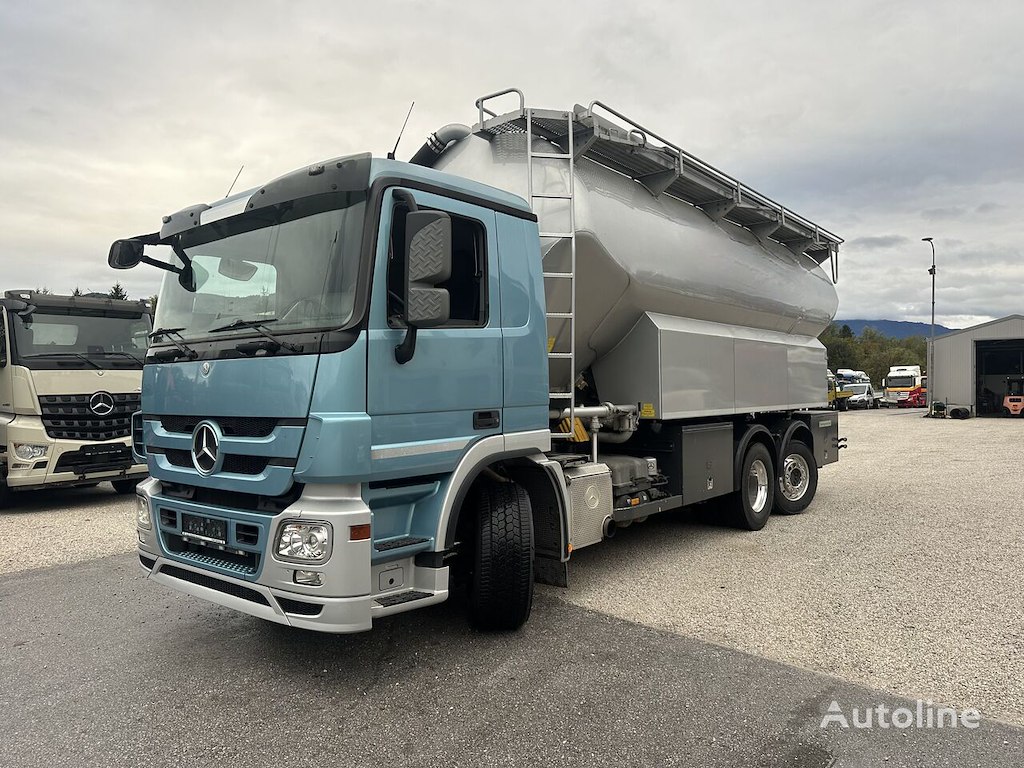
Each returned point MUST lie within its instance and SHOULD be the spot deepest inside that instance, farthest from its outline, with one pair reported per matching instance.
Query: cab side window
(467, 285)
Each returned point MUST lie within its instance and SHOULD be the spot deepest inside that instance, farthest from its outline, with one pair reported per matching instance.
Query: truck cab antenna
(391, 154)
(235, 181)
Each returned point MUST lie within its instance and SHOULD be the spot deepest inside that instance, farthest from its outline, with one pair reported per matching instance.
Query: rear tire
(124, 487)
(752, 503)
(798, 479)
(501, 590)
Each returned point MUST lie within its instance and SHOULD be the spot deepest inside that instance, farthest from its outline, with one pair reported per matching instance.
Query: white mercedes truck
(70, 380)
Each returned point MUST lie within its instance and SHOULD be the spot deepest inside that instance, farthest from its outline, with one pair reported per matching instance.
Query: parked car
(863, 395)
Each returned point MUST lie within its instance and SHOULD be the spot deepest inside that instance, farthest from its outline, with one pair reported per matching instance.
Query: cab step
(404, 541)
(387, 601)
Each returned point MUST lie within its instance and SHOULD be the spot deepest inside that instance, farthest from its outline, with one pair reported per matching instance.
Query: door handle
(486, 419)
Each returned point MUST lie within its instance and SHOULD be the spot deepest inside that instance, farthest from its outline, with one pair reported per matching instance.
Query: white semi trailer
(541, 328)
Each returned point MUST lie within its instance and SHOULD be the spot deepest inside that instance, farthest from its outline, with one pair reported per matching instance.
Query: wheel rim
(796, 477)
(757, 486)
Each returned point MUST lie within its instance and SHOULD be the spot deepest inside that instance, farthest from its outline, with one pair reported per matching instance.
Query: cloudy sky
(883, 122)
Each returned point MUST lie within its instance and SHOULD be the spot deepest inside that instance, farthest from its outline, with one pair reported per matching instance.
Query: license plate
(104, 449)
(204, 528)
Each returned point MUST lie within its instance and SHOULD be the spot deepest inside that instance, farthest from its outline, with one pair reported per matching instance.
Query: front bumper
(354, 590)
(67, 462)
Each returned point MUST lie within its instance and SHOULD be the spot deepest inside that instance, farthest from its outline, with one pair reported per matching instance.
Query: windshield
(300, 273)
(900, 381)
(57, 339)
(857, 389)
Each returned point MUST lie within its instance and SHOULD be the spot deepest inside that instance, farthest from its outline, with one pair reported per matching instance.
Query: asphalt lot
(677, 642)
(903, 575)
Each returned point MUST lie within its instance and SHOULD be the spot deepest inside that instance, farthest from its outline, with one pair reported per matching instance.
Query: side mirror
(125, 254)
(428, 262)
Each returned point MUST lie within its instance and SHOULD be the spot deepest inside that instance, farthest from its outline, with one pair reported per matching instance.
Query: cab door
(429, 410)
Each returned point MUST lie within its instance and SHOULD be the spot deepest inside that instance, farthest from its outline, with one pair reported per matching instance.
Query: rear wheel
(124, 487)
(752, 502)
(798, 479)
(501, 590)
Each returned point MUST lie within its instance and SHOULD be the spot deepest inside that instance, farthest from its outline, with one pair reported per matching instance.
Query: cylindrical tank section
(639, 253)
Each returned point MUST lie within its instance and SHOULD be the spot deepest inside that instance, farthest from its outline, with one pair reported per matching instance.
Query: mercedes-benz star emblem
(205, 448)
(101, 403)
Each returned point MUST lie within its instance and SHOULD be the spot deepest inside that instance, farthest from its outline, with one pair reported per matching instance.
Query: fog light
(310, 542)
(30, 451)
(309, 578)
(142, 516)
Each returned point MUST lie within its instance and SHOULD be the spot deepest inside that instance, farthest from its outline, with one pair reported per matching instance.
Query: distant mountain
(897, 329)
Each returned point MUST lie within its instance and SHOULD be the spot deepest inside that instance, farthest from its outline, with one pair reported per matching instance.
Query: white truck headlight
(143, 519)
(30, 451)
(304, 542)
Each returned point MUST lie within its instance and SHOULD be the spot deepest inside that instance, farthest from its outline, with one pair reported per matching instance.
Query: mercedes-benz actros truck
(70, 380)
(373, 380)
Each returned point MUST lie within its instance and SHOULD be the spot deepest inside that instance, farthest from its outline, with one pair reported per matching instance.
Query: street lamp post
(931, 346)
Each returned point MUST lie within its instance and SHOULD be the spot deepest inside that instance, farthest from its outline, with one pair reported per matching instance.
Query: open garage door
(994, 361)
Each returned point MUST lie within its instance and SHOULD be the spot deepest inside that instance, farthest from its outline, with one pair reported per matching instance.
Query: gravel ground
(65, 526)
(903, 575)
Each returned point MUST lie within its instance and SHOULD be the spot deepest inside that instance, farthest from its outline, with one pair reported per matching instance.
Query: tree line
(871, 352)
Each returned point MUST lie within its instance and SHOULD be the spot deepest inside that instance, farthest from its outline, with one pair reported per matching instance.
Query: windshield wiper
(121, 354)
(180, 347)
(258, 325)
(79, 355)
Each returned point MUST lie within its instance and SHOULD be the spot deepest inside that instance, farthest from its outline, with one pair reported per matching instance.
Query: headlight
(29, 451)
(142, 516)
(305, 542)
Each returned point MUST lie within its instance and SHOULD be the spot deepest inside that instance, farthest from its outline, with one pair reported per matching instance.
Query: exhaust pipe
(438, 142)
(608, 529)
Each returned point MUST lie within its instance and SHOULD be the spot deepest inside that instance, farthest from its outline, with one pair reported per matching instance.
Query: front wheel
(752, 502)
(798, 479)
(501, 591)
(124, 487)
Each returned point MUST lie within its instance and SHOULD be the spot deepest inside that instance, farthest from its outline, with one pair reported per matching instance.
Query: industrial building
(971, 365)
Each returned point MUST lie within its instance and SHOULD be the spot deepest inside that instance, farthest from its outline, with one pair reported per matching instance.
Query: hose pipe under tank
(438, 142)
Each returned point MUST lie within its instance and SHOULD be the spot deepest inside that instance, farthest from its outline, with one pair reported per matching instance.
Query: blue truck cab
(310, 439)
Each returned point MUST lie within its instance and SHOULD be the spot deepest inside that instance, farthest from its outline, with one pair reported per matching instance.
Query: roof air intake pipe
(438, 142)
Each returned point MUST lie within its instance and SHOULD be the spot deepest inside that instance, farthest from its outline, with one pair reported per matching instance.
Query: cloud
(941, 214)
(881, 122)
(879, 242)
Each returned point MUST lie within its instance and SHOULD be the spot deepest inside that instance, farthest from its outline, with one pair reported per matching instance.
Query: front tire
(501, 590)
(752, 503)
(798, 479)
(124, 487)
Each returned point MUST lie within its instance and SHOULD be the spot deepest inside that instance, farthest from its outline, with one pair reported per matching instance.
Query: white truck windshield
(61, 339)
